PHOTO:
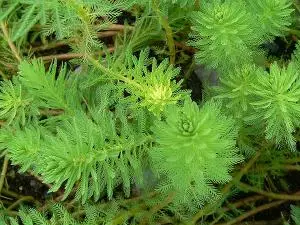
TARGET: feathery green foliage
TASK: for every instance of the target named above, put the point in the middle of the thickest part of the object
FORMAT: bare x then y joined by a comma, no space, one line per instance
120,130
190,143
236,90
49,91
15,102
182,3
277,103
224,30
295,212
227,32
152,88
59,216
274,16
94,154
66,19
271,99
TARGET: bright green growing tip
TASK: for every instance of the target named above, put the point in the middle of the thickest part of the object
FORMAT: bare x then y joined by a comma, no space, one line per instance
191,142
222,31
277,97
274,16
158,87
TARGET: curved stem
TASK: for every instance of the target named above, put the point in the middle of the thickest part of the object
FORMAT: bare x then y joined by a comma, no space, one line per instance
254,211
209,209
3,172
19,201
293,197
169,33
114,75
9,42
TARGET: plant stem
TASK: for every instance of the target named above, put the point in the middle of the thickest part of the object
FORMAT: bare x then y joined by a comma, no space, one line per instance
295,32
186,48
114,75
158,207
168,30
68,56
2,74
209,209
243,202
197,4
254,211
61,43
19,201
293,197
3,172
10,193
10,43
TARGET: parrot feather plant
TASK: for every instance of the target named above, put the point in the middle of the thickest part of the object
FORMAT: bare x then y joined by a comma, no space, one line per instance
99,107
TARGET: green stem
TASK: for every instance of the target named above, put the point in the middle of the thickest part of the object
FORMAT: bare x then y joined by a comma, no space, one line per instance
295,32
168,30
3,172
254,212
246,187
2,74
10,193
12,46
209,209
197,4
19,201
114,75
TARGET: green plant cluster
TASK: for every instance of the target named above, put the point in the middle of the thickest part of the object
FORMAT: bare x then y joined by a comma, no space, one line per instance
116,133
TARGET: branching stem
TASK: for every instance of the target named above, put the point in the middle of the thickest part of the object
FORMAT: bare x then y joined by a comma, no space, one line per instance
114,75
254,211
169,33
211,207
3,172
272,195
9,41
19,201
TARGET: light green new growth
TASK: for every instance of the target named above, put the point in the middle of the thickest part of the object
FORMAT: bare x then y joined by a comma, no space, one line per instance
79,149
15,102
152,88
276,103
190,143
227,33
66,19
262,98
123,124
295,212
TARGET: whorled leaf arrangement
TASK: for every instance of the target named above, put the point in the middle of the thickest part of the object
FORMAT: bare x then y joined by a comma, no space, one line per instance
95,153
253,95
276,103
236,90
223,30
190,143
66,19
274,16
99,132
15,102
151,85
